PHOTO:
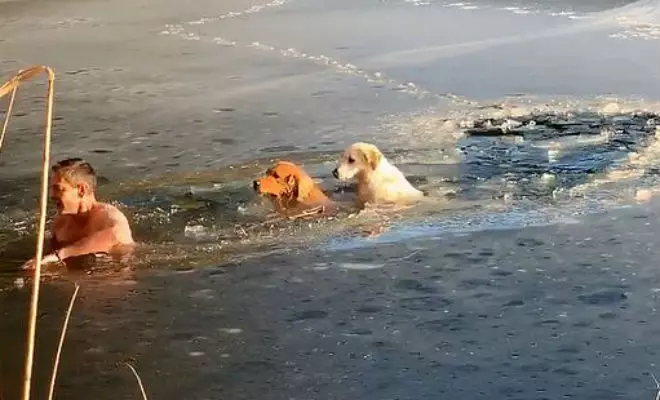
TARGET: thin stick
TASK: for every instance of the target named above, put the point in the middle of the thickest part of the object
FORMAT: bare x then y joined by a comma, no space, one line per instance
144,393
657,386
43,202
9,110
306,213
11,86
53,377
404,257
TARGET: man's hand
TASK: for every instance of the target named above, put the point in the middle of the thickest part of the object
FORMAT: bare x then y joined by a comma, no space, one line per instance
32,263
50,258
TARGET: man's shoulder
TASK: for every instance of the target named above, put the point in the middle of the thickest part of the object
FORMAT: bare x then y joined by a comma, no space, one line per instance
111,211
107,206
115,217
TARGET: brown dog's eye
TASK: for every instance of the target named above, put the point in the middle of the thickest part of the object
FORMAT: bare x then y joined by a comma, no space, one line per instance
271,172
351,160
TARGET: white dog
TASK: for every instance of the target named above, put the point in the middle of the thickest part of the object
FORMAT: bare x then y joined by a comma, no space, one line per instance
378,181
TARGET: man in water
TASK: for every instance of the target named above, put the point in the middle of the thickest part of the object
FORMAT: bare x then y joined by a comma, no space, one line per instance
82,225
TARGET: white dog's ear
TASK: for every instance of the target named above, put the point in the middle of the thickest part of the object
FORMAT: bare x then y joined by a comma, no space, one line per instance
372,157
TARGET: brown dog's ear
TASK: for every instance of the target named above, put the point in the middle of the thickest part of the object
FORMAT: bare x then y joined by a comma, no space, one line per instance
292,185
371,157
301,186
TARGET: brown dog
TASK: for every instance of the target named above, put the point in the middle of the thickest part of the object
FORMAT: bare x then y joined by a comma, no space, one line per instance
292,190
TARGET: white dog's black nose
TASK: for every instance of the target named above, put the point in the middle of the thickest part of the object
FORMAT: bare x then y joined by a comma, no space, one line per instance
335,173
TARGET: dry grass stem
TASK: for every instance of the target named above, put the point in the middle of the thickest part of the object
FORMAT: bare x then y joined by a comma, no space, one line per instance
11,86
144,393
56,364
657,386
307,213
7,115
412,254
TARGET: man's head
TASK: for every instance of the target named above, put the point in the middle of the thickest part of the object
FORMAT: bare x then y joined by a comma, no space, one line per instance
73,184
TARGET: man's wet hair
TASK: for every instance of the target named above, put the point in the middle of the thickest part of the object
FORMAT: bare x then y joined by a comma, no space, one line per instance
75,171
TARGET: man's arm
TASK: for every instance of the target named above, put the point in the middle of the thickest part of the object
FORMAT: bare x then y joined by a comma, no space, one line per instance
51,244
98,242
115,229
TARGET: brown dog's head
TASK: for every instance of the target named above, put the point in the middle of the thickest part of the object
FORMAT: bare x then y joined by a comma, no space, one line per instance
358,158
286,182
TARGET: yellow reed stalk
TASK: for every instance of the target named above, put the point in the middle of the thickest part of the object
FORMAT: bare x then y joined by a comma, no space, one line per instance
11,86
56,364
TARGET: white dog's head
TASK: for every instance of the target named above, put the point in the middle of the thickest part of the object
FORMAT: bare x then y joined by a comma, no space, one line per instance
359,158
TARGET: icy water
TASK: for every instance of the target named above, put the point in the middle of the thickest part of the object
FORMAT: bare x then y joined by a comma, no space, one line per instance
528,274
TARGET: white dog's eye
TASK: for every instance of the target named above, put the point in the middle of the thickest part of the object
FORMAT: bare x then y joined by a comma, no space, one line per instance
351,160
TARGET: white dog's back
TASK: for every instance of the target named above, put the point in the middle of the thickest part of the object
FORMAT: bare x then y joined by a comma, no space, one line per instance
387,184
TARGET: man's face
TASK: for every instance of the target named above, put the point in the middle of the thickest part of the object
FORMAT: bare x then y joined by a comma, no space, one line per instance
67,197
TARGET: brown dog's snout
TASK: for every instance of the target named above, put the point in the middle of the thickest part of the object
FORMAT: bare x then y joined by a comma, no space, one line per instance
335,173
255,185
